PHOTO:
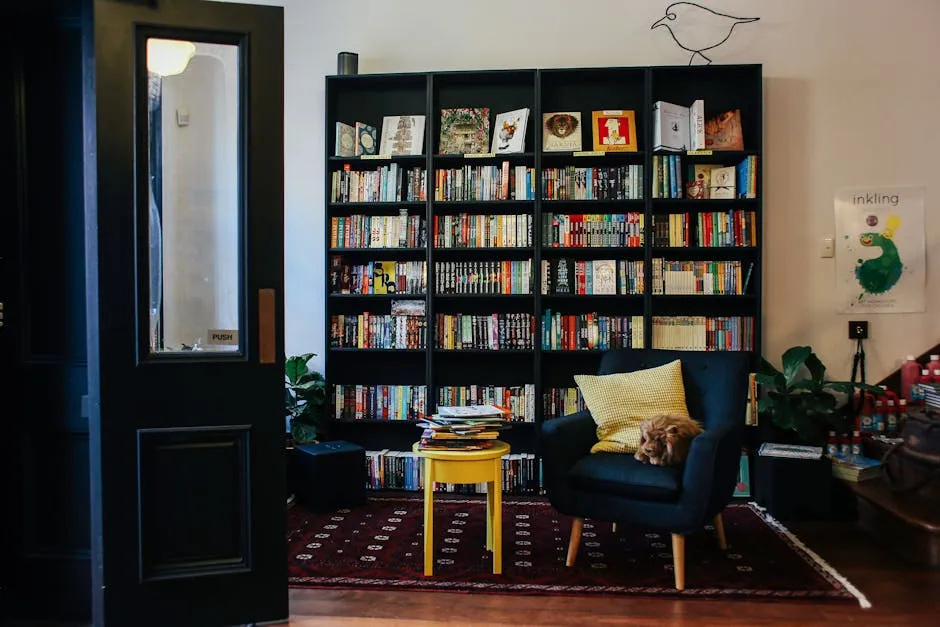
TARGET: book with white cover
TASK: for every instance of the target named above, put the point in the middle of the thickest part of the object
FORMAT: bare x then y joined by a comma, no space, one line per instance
402,135
469,411
509,131
793,451
723,183
697,125
670,127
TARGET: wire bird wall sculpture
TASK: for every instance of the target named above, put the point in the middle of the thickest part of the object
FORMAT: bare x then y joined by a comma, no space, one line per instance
696,28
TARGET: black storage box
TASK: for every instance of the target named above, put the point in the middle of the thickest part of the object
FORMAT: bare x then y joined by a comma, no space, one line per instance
793,488
329,475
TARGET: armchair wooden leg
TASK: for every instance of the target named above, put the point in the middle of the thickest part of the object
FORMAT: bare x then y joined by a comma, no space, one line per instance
678,560
613,527
720,532
577,525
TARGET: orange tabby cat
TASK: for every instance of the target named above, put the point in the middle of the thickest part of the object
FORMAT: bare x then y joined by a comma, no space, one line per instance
664,439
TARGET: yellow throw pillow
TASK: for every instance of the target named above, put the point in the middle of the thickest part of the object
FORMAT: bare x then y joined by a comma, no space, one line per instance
620,402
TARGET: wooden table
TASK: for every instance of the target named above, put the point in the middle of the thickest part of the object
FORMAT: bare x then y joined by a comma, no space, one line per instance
484,466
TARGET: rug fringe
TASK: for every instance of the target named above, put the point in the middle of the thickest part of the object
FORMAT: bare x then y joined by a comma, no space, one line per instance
773,522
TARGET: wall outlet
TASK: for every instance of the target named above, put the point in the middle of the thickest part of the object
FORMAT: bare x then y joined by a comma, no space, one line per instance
858,329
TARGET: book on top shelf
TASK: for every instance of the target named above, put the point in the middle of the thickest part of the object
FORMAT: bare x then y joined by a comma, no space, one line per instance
402,135
465,130
509,131
678,128
345,140
561,131
365,139
723,132
614,130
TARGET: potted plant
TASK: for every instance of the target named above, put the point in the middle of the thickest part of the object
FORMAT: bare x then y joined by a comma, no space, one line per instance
803,406
800,399
305,399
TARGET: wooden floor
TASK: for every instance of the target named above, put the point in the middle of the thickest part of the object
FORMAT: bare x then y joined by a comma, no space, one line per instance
900,594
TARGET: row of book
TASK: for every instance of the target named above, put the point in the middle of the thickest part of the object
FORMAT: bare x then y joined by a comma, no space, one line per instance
590,331
705,277
468,130
704,333
483,277
592,277
472,230
703,180
387,183
485,183
378,331
404,470
368,231
725,229
379,402
593,230
558,402
497,331
571,182
377,277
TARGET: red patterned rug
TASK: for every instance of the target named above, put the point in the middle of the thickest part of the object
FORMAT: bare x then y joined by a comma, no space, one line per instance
379,545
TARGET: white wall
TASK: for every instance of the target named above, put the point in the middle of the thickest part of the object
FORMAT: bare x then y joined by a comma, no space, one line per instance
851,89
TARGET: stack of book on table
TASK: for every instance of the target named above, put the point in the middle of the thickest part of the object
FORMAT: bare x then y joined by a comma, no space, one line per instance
464,428
855,468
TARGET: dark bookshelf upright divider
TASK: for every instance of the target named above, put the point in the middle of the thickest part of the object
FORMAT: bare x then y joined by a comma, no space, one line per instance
367,98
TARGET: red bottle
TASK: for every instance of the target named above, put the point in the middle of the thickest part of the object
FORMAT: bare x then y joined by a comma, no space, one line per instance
864,421
845,445
891,418
832,444
933,364
856,443
910,370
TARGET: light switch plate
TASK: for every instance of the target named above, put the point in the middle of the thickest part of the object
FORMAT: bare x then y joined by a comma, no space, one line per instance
827,247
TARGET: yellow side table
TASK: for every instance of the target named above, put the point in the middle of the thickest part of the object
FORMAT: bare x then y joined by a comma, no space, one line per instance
466,467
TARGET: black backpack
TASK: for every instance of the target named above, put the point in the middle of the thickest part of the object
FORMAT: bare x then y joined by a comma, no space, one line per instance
919,451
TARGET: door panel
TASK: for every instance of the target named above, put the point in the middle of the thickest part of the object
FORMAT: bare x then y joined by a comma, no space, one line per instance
44,534
187,410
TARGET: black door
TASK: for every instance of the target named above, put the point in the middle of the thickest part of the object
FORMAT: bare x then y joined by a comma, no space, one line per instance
184,225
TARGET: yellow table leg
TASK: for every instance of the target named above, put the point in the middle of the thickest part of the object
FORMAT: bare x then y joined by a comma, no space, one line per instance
497,519
428,517
489,515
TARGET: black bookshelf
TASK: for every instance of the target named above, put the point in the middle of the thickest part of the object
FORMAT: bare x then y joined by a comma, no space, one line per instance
367,98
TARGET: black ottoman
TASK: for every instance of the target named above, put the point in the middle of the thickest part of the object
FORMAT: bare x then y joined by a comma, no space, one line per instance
330,475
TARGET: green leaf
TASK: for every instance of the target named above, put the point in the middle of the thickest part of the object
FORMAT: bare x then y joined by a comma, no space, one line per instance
793,360
767,369
816,368
296,366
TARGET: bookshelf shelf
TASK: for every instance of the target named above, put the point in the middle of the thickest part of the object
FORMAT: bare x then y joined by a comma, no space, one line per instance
642,318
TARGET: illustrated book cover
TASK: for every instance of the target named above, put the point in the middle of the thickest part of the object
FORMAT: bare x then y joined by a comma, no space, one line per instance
614,130
723,132
345,140
561,131
509,131
365,139
402,135
465,130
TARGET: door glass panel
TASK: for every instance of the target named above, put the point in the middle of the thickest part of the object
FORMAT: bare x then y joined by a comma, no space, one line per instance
194,292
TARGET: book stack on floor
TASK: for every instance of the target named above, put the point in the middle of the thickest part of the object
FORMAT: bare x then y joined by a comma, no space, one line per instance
463,428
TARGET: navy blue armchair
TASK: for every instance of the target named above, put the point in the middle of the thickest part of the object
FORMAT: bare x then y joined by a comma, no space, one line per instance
616,488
